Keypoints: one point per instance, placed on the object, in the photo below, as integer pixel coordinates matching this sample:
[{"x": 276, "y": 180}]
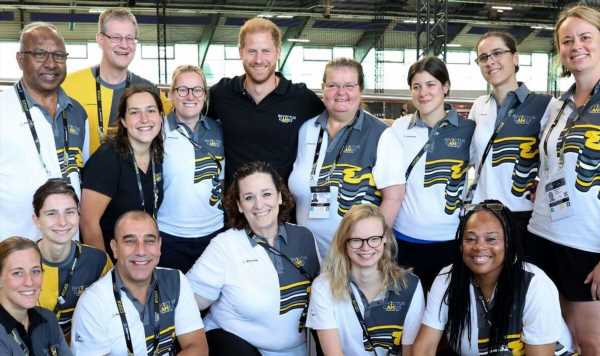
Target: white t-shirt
[
  {"x": 542, "y": 320},
  {"x": 97, "y": 328},
  {"x": 581, "y": 172},
  {"x": 325, "y": 312},
  {"x": 242, "y": 280},
  {"x": 363, "y": 169}
]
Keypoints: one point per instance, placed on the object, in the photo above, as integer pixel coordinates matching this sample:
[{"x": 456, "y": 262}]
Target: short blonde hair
[
  {"x": 338, "y": 264},
  {"x": 116, "y": 13},
  {"x": 190, "y": 68},
  {"x": 259, "y": 24},
  {"x": 582, "y": 12}
]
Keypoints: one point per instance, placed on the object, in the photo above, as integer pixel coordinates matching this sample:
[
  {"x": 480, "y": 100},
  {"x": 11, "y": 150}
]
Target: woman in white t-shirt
[
  {"x": 364, "y": 303},
  {"x": 490, "y": 301}
]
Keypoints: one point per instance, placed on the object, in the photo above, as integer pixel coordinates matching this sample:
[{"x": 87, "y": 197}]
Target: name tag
[
  {"x": 557, "y": 195},
  {"x": 320, "y": 202}
]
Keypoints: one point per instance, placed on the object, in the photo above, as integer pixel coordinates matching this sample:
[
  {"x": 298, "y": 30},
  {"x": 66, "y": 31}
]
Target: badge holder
[
  {"x": 320, "y": 202},
  {"x": 557, "y": 195}
]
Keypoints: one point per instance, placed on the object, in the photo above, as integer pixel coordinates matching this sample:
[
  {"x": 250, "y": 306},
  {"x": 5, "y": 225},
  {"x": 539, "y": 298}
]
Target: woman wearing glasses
[
  {"x": 340, "y": 162},
  {"x": 505, "y": 144},
  {"x": 564, "y": 224},
  {"x": 489, "y": 301},
  {"x": 256, "y": 276},
  {"x": 25, "y": 328},
  {"x": 125, "y": 173},
  {"x": 191, "y": 213},
  {"x": 364, "y": 303},
  {"x": 432, "y": 151}
]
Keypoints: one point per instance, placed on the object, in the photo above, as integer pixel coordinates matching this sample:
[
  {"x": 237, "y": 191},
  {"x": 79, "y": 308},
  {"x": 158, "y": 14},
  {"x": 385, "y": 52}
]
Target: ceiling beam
[
  {"x": 206, "y": 38},
  {"x": 287, "y": 46},
  {"x": 369, "y": 39}
]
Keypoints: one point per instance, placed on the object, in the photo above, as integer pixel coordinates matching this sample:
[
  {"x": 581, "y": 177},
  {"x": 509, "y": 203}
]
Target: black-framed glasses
[
  {"x": 183, "y": 91},
  {"x": 116, "y": 39},
  {"x": 372, "y": 241},
  {"x": 41, "y": 55},
  {"x": 495, "y": 54}
]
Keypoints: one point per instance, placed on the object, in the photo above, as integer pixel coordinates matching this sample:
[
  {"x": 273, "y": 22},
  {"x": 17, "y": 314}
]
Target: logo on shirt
[
  {"x": 157, "y": 177},
  {"x": 165, "y": 307},
  {"x": 78, "y": 290},
  {"x": 213, "y": 143},
  {"x": 454, "y": 142},
  {"x": 595, "y": 109},
  {"x": 350, "y": 149},
  {"x": 393, "y": 306},
  {"x": 286, "y": 119},
  {"x": 299, "y": 261},
  {"x": 73, "y": 130},
  {"x": 523, "y": 119}
]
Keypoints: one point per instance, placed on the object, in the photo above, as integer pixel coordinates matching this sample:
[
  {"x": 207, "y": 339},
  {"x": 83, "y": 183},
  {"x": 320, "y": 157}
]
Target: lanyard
[
  {"x": 139, "y": 182},
  {"x": 36, "y": 139},
  {"x": 313, "y": 172},
  {"x": 65, "y": 288},
  {"x": 303, "y": 272},
  {"x": 361, "y": 321},
  {"x": 567, "y": 128},
  {"x": 121, "y": 310},
  {"x": 99, "y": 103},
  {"x": 199, "y": 147},
  {"x": 19, "y": 341},
  {"x": 419, "y": 154}
]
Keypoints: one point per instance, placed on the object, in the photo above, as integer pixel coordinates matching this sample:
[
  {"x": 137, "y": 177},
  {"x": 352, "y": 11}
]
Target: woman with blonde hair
[
  {"x": 364, "y": 303},
  {"x": 191, "y": 213}
]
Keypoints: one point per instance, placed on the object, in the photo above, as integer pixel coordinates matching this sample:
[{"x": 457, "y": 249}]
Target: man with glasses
[
  {"x": 261, "y": 111},
  {"x": 100, "y": 87},
  {"x": 43, "y": 132}
]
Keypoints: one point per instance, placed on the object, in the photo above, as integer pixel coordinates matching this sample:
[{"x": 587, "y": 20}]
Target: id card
[
  {"x": 320, "y": 201},
  {"x": 557, "y": 195}
]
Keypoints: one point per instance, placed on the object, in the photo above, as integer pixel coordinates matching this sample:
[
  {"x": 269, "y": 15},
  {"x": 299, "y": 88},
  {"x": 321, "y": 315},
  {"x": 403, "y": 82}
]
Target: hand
[
  {"x": 530, "y": 194},
  {"x": 594, "y": 278}
]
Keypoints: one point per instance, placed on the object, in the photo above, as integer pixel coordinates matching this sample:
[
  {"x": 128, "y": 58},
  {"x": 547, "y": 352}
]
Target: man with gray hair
[
  {"x": 99, "y": 88},
  {"x": 43, "y": 132}
]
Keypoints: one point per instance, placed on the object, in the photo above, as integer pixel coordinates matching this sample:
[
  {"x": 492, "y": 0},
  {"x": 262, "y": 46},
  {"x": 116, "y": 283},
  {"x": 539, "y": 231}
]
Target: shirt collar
[
  {"x": 121, "y": 286},
  {"x": 281, "y": 233},
  {"x": 451, "y": 117},
  {"x": 568, "y": 95},
  {"x": 62, "y": 102},
  {"x": 521, "y": 93},
  {"x": 173, "y": 122},
  {"x": 9, "y": 323},
  {"x": 358, "y": 124},
  {"x": 281, "y": 88}
]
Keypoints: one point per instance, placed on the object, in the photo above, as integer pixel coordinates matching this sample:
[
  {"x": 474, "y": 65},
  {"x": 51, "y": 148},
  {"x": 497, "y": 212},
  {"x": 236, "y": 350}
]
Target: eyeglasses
[
  {"x": 337, "y": 86},
  {"x": 495, "y": 54},
  {"x": 117, "y": 39},
  {"x": 495, "y": 207},
  {"x": 41, "y": 56},
  {"x": 183, "y": 91},
  {"x": 357, "y": 243}
]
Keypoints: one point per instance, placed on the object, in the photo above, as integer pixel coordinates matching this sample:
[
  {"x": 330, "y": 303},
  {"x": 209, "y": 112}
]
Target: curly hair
[{"x": 237, "y": 219}]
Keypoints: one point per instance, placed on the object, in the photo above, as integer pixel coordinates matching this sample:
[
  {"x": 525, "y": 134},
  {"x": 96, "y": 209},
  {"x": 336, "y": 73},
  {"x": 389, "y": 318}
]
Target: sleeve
[
  {"x": 63, "y": 347},
  {"x": 388, "y": 170},
  {"x": 101, "y": 172},
  {"x": 212, "y": 112},
  {"x": 542, "y": 317},
  {"x": 89, "y": 336},
  {"x": 187, "y": 314},
  {"x": 321, "y": 313},
  {"x": 436, "y": 312},
  {"x": 108, "y": 265},
  {"x": 413, "y": 319},
  {"x": 86, "y": 142},
  {"x": 207, "y": 276},
  {"x": 547, "y": 113},
  {"x": 473, "y": 113},
  {"x": 314, "y": 103}
]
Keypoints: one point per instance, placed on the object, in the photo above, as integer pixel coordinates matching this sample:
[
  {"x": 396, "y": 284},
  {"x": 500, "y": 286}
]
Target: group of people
[{"x": 392, "y": 250}]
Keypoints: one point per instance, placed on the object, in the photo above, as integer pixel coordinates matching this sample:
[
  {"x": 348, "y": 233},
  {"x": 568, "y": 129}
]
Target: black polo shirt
[{"x": 267, "y": 131}]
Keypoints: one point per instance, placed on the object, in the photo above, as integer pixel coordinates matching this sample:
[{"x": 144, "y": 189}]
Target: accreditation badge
[
  {"x": 320, "y": 202},
  {"x": 557, "y": 195}
]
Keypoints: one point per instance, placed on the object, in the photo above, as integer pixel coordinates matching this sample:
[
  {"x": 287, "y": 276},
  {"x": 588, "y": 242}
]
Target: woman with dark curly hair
[
  {"x": 125, "y": 173},
  {"x": 256, "y": 276},
  {"x": 489, "y": 301}
]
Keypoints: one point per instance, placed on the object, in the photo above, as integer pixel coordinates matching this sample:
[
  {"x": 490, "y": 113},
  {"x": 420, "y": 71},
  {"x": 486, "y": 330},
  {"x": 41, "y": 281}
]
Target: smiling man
[
  {"x": 100, "y": 87},
  {"x": 261, "y": 111},
  {"x": 138, "y": 308},
  {"x": 43, "y": 132}
]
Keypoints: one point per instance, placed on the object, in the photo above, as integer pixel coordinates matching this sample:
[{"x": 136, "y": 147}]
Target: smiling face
[
  {"x": 136, "y": 247},
  {"x": 341, "y": 92},
  {"x": 428, "y": 95},
  {"x": 120, "y": 54},
  {"x": 500, "y": 70},
  {"x": 58, "y": 219},
  {"x": 142, "y": 119},
  {"x": 45, "y": 76},
  {"x": 483, "y": 246},
  {"x": 259, "y": 201},
  {"x": 365, "y": 257},
  {"x": 259, "y": 57},
  {"x": 579, "y": 46},
  {"x": 188, "y": 107},
  {"x": 21, "y": 280}
]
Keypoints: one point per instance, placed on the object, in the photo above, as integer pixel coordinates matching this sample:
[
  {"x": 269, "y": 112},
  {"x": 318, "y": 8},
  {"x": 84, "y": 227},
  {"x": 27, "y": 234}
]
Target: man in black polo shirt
[{"x": 261, "y": 111}]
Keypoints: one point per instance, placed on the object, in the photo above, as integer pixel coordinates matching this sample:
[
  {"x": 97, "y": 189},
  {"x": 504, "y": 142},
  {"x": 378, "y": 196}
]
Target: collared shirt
[
  {"x": 281, "y": 239},
  {"x": 146, "y": 307}
]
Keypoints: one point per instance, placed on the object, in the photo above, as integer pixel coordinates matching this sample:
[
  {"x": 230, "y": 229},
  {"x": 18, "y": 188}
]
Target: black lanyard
[
  {"x": 199, "y": 147},
  {"x": 63, "y": 293},
  {"x": 121, "y": 310},
  {"x": 139, "y": 182},
  {"x": 361, "y": 321},
  {"x": 99, "y": 103},
  {"x": 36, "y": 139},
  {"x": 313, "y": 171},
  {"x": 419, "y": 154},
  {"x": 303, "y": 272}
]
